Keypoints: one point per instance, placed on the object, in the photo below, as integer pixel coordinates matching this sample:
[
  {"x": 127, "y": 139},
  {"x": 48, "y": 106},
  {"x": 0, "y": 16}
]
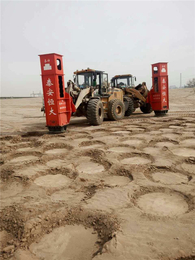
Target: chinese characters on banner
[
  {"x": 163, "y": 69},
  {"x": 47, "y": 65},
  {"x": 50, "y": 94},
  {"x": 50, "y": 102},
  {"x": 49, "y": 83},
  {"x": 164, "y": 92},
  {"x": 51, "y": 112}
]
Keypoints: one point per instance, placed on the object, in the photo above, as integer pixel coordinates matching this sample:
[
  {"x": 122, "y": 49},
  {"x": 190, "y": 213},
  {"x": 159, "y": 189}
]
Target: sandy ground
[{"x": 120, "y": 191}]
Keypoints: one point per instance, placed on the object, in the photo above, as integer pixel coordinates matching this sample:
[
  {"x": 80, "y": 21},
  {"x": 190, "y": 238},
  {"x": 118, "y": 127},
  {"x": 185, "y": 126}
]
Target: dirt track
[{"x": 120, "y": 191}]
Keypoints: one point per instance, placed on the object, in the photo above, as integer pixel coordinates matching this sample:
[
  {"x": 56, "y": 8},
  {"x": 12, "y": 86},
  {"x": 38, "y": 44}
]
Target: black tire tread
[
  {"x": 111, "y": 112},
  {"x": 130, "y": 108},
  {"x": 146, "y": 108},
  {"x": 92, "y": 112}
]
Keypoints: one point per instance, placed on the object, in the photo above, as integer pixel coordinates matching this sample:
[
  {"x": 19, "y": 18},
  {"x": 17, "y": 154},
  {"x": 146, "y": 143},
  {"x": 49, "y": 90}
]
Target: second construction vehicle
[{"x": 137, "y": 96}]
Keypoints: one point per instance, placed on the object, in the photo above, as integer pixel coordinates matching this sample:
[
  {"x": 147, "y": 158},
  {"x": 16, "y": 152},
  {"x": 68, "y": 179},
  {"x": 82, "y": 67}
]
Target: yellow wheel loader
[{"x": 133, "y": 96}]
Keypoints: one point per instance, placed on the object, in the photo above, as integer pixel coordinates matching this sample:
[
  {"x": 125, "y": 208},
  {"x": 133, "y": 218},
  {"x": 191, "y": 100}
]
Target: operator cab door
[
  {"x": 104, "y": 85},
  {"x": 100, "y": 83},
  {"x": 131, "y": 82},
  {"x": 88, "y": 80}
]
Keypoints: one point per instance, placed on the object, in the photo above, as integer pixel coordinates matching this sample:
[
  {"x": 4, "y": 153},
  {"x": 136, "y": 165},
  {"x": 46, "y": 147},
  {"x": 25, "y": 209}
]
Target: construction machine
[
  {"x": 136, "y": 96},
  {"x": 94, "y": 98}
]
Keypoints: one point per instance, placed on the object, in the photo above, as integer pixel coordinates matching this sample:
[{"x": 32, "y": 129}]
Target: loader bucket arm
[
  {"x": 136, "y": 93},
  {"x": 83, "y": 93}
]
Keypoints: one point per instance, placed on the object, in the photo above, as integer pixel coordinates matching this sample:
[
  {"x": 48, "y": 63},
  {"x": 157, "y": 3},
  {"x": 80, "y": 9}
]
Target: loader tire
[
  {"x": 116, "y": 109},
  {"x": 95, "y": 112},
  {"x": 146, "y": 108},
  {"x": 130, "y": 108}
]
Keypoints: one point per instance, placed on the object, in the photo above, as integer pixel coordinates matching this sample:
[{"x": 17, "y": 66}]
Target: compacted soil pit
[
  {"x": 68, "y": 196},
  {"x": 56, "y": 151},
  {"x": 116, "y": 180},
  {"x": 169, "y": 177},
  {"x": 162, "y": 204},
  {"x": 186, "y": 152},
  {"x": 190, "y": 168},
  {"x": 135, "y": 160},
  {"x": 90, "y": 167},
  {"x": 52, "y": 181},
  {"x": 71, "y": 242},
  {"x": 120, "y": 149},
  {"x": 23, "y": 159}
]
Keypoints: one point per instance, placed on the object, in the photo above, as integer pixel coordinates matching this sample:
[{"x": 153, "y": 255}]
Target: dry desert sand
[{"x": 120, "y": 191}]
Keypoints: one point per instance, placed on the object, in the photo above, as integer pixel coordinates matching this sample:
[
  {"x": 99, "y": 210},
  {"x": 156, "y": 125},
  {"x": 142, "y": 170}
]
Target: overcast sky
[{"x": 115, "y": 36}]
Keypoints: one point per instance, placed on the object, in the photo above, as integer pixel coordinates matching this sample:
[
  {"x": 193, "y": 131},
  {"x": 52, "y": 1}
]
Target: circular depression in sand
[
  {"x": 188, "y": 167},
  {"x": 23, "y": 159},
  {"x": 90, "y": 167},
  {"x": 59, "y": 163},
  {"x": 56, "y": 151},
  {"x": 52, "y": 181},
  {"x": 162, "y": 204},
  {"x": 155, "y": 132},
  {"x": 133, "y": 142},
  {"x": 176, "y": 127},
  {"x": 116, "y": 180},
  {"x": 135, "y": 160},
  {"x": 186, "y": 152},
  {"x": 188, "y": 134},
  {"x": 120, "y": 149},
  {"x": 122, "y": 132},
  {"x": 11, "y": 190},
  {"x": 27, "y": 149},
  {"x": 169, "y": 177},
  {"x": 162, "y": 144},
  {"x": 191, "y": 130},
  {"x": 189, "y": 125},
  {"x": 109, "y": 199},
  {"x": 68, "y": 196},
  {"x": 188, "y": 142},
  {"x": 30, "y": 171},
  {"x": 166, "y": 130},
  {"x": 173, "y": 137},
  {"x": 115, "y": 129},
  {"x": 93, "y": 146},
  {"x": 70, "y": 242},
  {"x": 135, "y": 129}
]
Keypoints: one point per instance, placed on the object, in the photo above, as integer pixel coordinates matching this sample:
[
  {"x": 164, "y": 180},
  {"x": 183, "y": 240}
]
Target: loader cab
[
  {"x": 122, "y": 81},
  {"x": 98, "y": 80}
]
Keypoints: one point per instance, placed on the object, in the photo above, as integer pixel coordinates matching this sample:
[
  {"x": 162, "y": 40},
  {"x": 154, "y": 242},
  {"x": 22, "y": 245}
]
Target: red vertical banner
[
  {"x": 58, "y": 103},
  {"x": 50, "y": 99},
  {"x": 164, "y": 92},
  {"x": 159, "y": 94}
]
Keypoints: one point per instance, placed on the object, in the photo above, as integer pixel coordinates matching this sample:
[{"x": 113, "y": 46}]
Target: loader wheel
[
  {"x": 146, "y": 108},
  {"x": 130, "y": 108},
  {"x": 116, "y": 109},
  {"x": 95, "y": 112}
]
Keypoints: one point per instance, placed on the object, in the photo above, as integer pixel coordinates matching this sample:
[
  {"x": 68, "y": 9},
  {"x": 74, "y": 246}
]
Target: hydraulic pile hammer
[{"x": 58, "y": 103}]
